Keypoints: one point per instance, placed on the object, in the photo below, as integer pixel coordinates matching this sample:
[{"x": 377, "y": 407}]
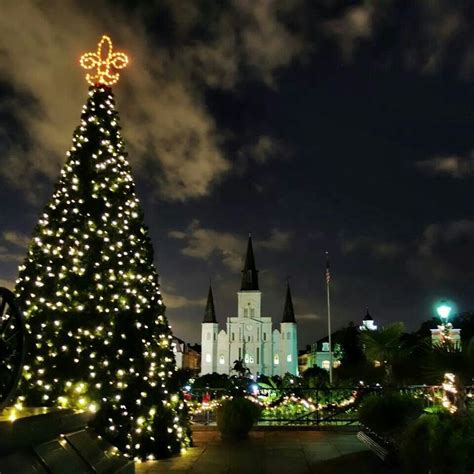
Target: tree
[
  {"x": 446, "y": 361},
  {"x": 212, "y": 381},
  {"x": 352, "y": 353},
  {"x": 384, "y": 347},
  {"x": 98, "y": 335},
  {"x": 315, "y": 377}
]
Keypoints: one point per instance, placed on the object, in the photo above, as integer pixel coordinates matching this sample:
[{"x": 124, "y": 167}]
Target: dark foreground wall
[{"x": 56, "y": 441}]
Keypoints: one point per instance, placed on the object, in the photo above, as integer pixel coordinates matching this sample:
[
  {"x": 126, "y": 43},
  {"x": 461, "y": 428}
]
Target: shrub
[
  {"x": 439, "y": 443},
  {"x": 389, "y": 414},
  {"x": 213, "y": 380},
  {"x": 236, "y": 416},
  {"x": 415, "y": 444}
]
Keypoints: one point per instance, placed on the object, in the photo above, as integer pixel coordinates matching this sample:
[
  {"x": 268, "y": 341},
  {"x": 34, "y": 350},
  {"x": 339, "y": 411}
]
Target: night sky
[{"x": 314, "y": 125}]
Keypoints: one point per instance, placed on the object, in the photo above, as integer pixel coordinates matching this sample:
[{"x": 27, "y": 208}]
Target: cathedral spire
[
  {"x": 249, "y": 273},
  {"x": 210, "y": 312},
  {"x": 289, "y": 312}
]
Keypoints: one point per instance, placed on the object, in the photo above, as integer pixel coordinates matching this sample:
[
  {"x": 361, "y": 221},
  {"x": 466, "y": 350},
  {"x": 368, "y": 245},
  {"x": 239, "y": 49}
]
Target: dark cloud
[
  {"x": 298, "y": 120},
  {"x": 445, "y": 251},
  {"x": 373, "y": 247},
  {"x": 264, "y": 149}
]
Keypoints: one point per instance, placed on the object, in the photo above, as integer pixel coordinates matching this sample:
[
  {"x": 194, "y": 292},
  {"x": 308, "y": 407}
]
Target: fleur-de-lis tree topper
[{"x": 105, "y": 60}]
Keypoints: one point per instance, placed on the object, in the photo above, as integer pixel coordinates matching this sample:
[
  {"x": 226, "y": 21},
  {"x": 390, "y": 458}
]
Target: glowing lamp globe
[{"x": 444, "y": 310}]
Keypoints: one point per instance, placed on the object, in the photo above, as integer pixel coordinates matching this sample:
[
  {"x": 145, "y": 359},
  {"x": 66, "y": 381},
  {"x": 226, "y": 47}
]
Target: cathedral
[{"x": 249, "y": 336}]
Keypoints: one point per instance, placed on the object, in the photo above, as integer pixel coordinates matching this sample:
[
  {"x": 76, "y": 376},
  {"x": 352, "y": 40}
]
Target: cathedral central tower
[
  {"x": 249, "y": 298},
  {"x": 249, "y": 336}
]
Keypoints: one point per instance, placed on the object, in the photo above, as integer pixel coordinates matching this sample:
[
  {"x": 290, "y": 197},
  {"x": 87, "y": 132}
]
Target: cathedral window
[
  {"x": 208, "y": 358},
  {"x": 264, "y": 336},
  {"x": 276, "y": 359},
  {"x": 215, "y": 336},
  {"x": 288, "y": 358},
  {"x": 252, "y": 312},
  {"x": 246, "y": 313},
  {"x": 258, "y": 355},
  {"x": 288, "y": 336},
  {"x": 240, "y": 353},
  {"x": 221, "y": 359},
  {"x": 233, "y": 336}
]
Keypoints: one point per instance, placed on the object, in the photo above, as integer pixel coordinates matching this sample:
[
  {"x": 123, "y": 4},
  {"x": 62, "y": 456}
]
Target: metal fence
[
  {"x": 284, "y": 407},
  {"x": 314, "y": 407}
]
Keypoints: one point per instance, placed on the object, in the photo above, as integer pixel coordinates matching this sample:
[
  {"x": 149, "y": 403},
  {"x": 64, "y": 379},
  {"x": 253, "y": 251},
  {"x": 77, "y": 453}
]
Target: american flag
[{"x": 328, "y": 273}]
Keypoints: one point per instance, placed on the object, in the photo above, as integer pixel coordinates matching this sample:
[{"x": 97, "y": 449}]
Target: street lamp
[{"x": 444, "y": 310}]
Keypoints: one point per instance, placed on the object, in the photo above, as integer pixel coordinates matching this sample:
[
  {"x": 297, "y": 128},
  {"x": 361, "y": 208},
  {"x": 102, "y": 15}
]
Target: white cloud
[
  {"x": 267, "y": 44},
  {"x": 278, "y": 240},
  {"x": 203, "y": 243},
  {"x": 12, "y": 246},
  {"x": 9, "y": 284},
  {"x": 354, "y": 25},
  {"x": 307, "y": 317},
  {"x": 173, "y": 140},
  {"x": 454, "y": 166},
  {"x": 6, "y": 255},
  {"x": 264, "y": 149},
  {"x": 16, "y": 238},
  {"x": 177, "y": 301}
]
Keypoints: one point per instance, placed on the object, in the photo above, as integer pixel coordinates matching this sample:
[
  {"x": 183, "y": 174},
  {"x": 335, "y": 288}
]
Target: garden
[{"x": 422, "y": 427}]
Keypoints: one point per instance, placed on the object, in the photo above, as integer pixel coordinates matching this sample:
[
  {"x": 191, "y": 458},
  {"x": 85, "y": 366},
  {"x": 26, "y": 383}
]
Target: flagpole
[{"x": 328, "y": 294}]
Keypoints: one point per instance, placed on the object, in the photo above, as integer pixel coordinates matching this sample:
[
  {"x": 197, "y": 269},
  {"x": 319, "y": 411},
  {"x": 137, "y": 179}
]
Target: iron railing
[{"x": 326, "y": 407}]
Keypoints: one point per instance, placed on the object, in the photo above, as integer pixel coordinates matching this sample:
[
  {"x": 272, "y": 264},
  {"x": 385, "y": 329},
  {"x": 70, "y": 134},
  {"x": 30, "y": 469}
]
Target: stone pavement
[{"x": 280, "y": 452}]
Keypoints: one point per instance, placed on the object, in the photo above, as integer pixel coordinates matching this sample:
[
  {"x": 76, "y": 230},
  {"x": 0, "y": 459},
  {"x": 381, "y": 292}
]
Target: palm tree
[
  {"x": 384, "y": 346},
  {"x": 444, "y": 359}
]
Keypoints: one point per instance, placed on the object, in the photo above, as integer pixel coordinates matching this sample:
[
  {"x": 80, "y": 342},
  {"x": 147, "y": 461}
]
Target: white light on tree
[{"x": 89, "y": 291}]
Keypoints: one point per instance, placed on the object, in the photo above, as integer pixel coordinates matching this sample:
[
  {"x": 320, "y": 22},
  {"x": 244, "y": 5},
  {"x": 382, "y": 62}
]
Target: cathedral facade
[{"x": 249, "y": 336}]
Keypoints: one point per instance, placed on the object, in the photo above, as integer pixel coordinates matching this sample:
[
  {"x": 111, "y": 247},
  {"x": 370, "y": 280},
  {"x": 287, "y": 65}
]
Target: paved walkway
[{"x": 273, "y": 452}]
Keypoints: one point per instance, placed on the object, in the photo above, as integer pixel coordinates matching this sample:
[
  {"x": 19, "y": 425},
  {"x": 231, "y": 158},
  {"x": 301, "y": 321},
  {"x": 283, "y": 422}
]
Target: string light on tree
[
  {"x": 90, "y": 294},
  {"x": 450, "y": 393}
]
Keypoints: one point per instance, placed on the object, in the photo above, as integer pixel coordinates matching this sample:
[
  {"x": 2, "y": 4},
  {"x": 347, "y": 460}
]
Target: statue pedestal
[{"x": 46, "y": 440}]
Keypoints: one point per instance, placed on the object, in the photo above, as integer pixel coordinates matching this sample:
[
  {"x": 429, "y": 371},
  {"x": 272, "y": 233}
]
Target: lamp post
[{"x": 444, "y": 310}]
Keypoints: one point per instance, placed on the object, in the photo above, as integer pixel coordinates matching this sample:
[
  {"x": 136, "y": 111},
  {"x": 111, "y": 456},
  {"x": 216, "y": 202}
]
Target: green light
[{"x": 443, "y": 310}]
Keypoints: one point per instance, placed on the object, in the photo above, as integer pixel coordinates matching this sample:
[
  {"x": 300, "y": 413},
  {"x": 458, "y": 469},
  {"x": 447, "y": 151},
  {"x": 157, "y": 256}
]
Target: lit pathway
[{"x": 273, "y": 452}]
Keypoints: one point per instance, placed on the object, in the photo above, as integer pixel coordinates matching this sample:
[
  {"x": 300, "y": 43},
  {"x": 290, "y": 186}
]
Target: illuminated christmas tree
[{"x": 98, "y": 335}]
